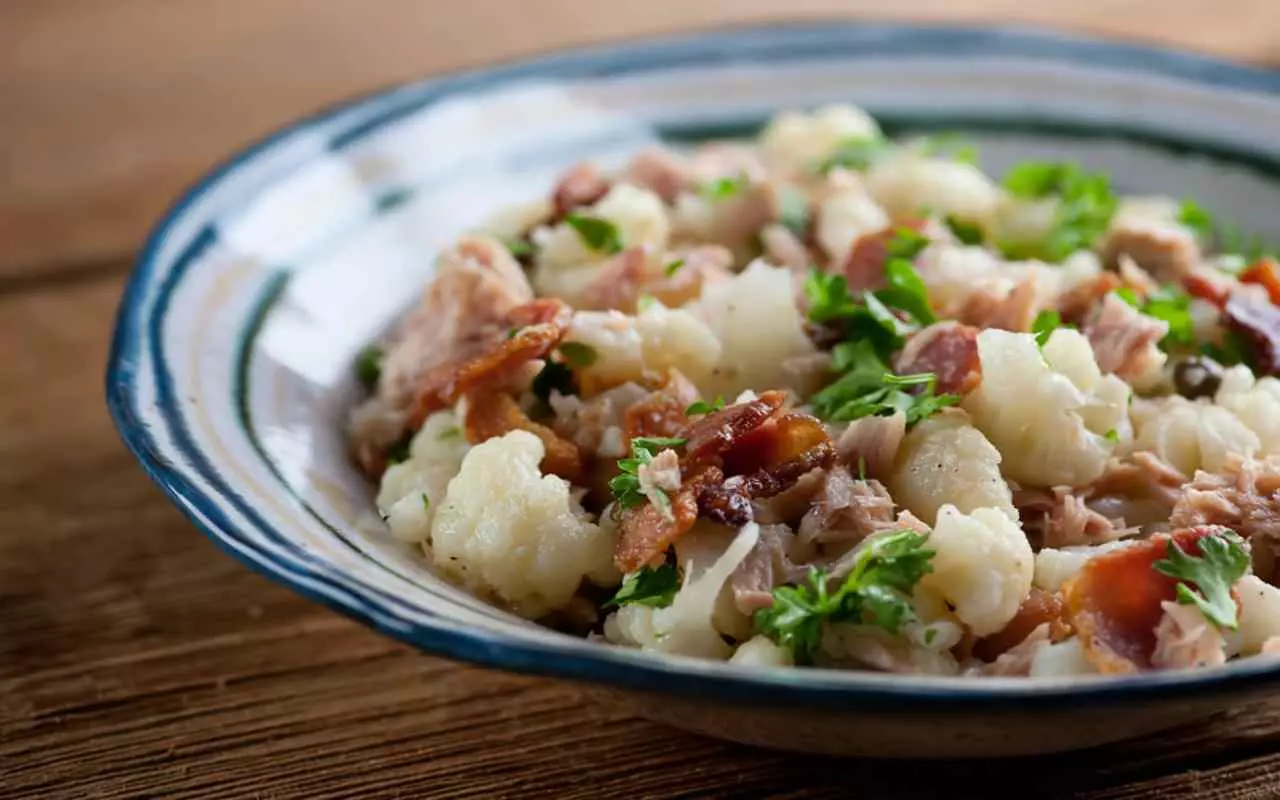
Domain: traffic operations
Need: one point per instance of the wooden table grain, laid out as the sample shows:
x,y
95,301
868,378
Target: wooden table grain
x,y
136,660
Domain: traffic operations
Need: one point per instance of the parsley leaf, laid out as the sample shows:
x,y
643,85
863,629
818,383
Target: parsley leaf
x,y
793,211
1129,296
648,586
1112,435
596,233
1206,580
950,145
1085,206
1197,219
828,296
967,232
369,365
1173,307
426,501
451,432
1045,323
906,291
554,376
519,248
578,354
906,243
703,407
625,486
673,267
855,154
645,302
868,388
724,188
876,592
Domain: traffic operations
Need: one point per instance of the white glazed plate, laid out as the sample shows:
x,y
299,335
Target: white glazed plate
x,y
230,372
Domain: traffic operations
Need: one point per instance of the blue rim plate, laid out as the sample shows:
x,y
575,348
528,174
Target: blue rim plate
x,y
143,400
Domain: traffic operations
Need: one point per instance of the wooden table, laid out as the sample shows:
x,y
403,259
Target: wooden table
x,y
137,660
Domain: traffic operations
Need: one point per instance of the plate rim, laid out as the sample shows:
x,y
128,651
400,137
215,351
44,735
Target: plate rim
x,y
657,674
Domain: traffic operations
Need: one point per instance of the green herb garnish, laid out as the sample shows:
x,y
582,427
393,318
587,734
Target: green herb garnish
x,y
578,354
519,248
649,586
369,365
967,232
1112,435
426,502
1206,580
1085,207
868,388
703,407
876,592
399,452
673,267
596,233
855,154
724,188
1045,323
626,485
1197,219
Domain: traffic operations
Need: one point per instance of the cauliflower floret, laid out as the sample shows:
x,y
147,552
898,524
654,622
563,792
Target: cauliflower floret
x,y
513,221
1259,616
1054,567
844,217
923,646
411,491
908,182
804,141
504,529
1016,221
761,332
1061,660
945,460
687,626
656,340
982,565
760,651
1049,431
1256,402
955,273
1191,435
564,265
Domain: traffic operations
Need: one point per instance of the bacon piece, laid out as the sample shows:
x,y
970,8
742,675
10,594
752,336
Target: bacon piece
x,y
582,185
778,440
659,171
1259,322
704,265
1126,342
1113,603
661,412
646,531
1076,303
718,431
1244,497
538,327
1037,608
1208,285
768,460
947,349
864,266
495,414
1266,273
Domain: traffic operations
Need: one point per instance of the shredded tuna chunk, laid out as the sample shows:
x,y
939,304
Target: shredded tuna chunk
x,y
1184,639
947,349
1014,311
1244,497
1077,303
596,425
580,186
621,280
768,565
1059,517
847,510
660,171
1136,279
1168,251
784,248
871,444
1126,342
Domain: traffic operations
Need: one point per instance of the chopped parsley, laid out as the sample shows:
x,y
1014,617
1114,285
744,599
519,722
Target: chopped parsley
x,y
451,432
724,188
868,388
625,486
673,267
596,233
855,154
1045,323
1112,435
965,231
649,586
1206,580
369,365
703,407
1197,219
578,354
1085,207
426,502
1170,305
876,592
793,211
645,302
519,248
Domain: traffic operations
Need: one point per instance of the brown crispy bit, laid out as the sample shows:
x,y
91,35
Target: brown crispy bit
x,y
780,439
1244,497
1076,303
1038,608
537,327
661,413
730,502
646,531
1113,603
495,414
948,350
1258,321
864,267
719,430
580,186
660,171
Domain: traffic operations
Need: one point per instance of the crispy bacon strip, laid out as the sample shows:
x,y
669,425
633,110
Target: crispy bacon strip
x,y
538,327
864,267
718,431
493,414
580,186
646,531
1076,303
1205,285
661,413
1038,608
1114,601
947,349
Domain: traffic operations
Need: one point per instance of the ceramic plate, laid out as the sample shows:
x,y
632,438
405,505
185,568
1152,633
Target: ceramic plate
x,y
230,372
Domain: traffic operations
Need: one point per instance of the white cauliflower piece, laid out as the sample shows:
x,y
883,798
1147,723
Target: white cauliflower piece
x,y
687,626
513,221
844,217
945,460
411,491
760,330
982,565
760,651
1255,402
804,141
1061,660
908,182
1016,221
656,340
1259,616
1191,435
506,530
1049,431
1054,567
